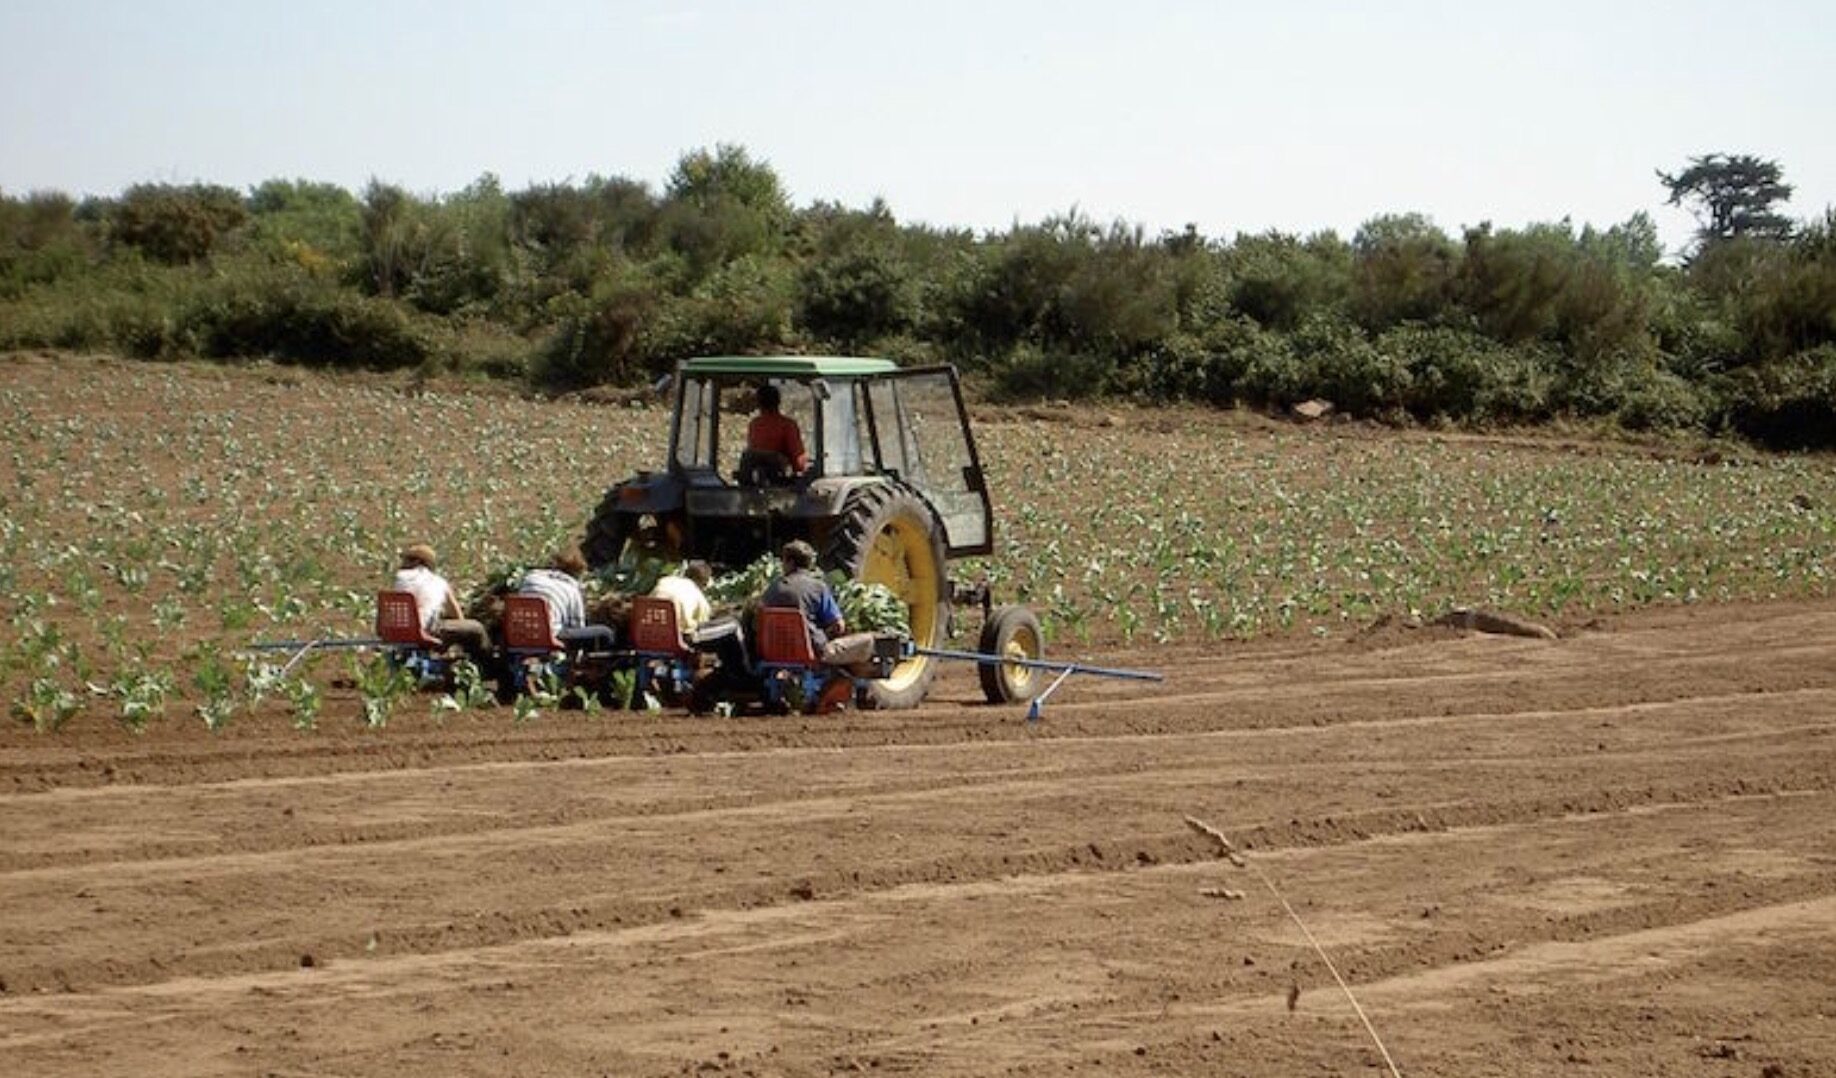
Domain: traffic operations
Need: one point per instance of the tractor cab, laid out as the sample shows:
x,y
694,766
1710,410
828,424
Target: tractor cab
x,y
859,420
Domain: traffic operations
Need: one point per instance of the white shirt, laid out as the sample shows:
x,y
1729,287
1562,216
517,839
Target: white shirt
x,y
566,602
430,590
691,605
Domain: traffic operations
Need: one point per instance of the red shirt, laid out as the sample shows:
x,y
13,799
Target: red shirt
x,y
775,432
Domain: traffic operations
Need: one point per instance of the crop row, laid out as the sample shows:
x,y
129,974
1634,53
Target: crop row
x,y
155,519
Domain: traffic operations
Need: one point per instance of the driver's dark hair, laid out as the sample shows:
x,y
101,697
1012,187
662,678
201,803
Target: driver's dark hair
x,y
769,397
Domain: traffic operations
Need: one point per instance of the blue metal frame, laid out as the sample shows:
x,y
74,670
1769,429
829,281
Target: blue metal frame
x,y
775,678
429,669
518,663
675,673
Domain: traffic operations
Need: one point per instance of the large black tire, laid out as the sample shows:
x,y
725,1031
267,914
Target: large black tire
x,y
1014,632
606,532
886,534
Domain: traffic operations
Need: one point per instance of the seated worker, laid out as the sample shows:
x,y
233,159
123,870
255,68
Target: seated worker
x,y
687,592
434,600
559,586
801,588
773,432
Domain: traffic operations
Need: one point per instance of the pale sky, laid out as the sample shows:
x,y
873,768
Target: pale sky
x,y
1237,117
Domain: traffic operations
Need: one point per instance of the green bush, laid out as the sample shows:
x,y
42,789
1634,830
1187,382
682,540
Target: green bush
x,y
1664,402
1121,298
1241,355
41,242
1029,372
721,206
48,318
444,256
1790,404
637,324
1330,358
1694,338
1462,375
289,315
126,305
175,225
480,347
1511,282
1176,369
744,307
1599,388
908,350
1280,281
318,225
599,338
856,292
250,308
1793,309
1403,271
1005,293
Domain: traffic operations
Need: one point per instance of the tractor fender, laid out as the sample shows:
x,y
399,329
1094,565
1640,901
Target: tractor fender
x,y
818,500
646,492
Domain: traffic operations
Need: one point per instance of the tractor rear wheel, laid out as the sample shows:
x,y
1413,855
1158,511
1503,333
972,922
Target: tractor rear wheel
x,y
886,534
1013,633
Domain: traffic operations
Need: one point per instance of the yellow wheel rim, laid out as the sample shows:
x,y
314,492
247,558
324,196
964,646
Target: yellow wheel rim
x,y
1024,644
903,559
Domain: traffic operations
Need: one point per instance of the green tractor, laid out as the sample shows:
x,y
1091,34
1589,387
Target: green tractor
x,y
893,492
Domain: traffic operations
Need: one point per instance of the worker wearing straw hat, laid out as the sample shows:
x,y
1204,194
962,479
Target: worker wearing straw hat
x,y
438,606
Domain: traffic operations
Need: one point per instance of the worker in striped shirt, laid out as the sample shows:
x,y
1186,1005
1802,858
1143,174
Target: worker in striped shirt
x,y
558,585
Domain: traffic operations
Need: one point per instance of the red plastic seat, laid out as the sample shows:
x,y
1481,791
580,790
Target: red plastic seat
x,y
653,628
784,639
398,621
527,627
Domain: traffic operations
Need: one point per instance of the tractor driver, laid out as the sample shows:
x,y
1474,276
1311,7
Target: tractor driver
x,y
771,431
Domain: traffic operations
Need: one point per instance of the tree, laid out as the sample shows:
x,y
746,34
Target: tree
x,y
176,224
856,286
722,206
41,241
1732,195
1403,271
1278,279
314,223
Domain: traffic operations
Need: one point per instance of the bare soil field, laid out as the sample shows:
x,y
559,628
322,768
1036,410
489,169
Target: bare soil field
x,y
1607,854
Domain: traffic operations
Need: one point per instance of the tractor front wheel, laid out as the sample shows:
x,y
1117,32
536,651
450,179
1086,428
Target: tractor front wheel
x,y
1011,632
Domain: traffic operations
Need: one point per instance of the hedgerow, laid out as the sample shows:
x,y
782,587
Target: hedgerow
x,y
605,280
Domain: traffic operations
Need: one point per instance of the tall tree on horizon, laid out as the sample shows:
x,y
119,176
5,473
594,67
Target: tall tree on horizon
x,y
1732,196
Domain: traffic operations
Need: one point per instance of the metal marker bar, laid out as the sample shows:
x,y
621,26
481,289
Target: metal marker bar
x,y
295,645
1035,708
1040,664
298,658
303,648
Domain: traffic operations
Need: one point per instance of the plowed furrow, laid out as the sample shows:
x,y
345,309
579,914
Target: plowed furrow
x,y
1107,850
127,825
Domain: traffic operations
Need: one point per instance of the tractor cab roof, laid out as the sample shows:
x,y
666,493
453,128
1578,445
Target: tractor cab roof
x,y
796,367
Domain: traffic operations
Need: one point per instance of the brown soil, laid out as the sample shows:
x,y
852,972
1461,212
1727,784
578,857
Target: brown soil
x,y
1608,854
